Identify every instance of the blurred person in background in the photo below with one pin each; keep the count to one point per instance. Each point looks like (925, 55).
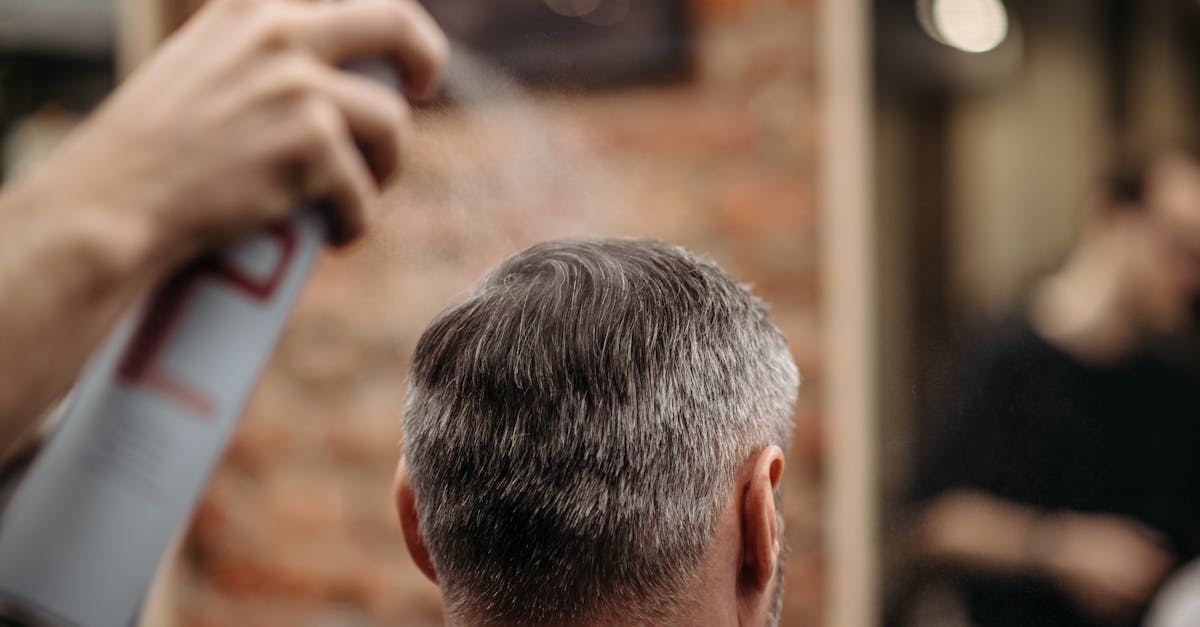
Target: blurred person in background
(241, 117)
(1060, 481)
(595, 437)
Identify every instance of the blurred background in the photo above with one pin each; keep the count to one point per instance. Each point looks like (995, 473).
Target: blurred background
(690, 121)
(886, 174)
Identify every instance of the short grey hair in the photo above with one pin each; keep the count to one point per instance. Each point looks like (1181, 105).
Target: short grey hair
(573, 427)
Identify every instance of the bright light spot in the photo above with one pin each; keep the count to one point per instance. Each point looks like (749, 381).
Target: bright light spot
(573, 8)
(970, 25)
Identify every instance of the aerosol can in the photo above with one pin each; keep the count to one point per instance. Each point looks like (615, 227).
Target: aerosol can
(152, 412)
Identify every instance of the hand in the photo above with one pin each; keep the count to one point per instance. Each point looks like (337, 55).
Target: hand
(1110, 566)
(241, 117)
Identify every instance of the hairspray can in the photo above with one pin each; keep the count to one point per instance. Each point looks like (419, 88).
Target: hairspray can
(153, 410)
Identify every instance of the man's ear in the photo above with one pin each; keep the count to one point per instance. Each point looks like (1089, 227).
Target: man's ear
(760, 524)
(406, 506)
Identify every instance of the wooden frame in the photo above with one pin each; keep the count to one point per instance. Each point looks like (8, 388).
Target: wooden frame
(850, 269)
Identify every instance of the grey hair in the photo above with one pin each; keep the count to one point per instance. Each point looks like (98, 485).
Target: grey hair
(573, 427)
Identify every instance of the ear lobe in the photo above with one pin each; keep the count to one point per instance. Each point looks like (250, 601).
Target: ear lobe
(406, 506)
(760, 524)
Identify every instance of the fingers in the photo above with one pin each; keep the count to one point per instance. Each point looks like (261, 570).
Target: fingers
(400, 29)
(343, 132)
(371, 114)
(378, 120)
(337, 174)
(361, 129)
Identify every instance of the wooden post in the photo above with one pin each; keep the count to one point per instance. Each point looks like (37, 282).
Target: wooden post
(852, 351)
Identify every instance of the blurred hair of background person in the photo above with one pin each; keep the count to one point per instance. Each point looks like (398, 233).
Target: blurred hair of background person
(1059, 483)
(595, 437)
(242, 117)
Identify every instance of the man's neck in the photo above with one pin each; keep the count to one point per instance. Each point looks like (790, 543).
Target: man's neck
(1084, 309)
(452, 619)
(695, 609)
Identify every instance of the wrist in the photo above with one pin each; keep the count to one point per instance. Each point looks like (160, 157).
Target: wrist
(101, 246)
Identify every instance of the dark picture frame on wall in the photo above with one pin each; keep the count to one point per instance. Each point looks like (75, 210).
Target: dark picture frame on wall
(574, 42)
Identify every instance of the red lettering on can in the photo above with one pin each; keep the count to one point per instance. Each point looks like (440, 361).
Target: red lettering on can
(141, 364)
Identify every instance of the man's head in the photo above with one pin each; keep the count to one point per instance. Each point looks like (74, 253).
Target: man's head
(595, 437)
(1153, 206)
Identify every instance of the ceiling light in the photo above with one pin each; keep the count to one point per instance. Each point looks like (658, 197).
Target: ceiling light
(969, 25)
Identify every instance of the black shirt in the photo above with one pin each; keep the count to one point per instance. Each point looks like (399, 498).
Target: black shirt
(1026, 422)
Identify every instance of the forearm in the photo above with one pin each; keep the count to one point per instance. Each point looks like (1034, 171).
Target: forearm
(973, 529)
(68, 270)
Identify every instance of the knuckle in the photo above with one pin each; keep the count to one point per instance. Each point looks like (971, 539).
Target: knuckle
(441, 49)
(413, 20)
(275, 25)
(321, 123)
(401, 20)
(399, 16)
(296, 74)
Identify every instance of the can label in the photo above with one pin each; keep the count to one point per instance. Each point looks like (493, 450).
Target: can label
(85, 530)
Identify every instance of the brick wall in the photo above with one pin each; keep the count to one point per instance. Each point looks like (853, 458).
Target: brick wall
(297, 527)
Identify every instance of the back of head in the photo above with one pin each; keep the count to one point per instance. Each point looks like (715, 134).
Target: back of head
(573, 426)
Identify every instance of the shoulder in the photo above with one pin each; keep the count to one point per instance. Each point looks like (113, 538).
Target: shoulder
(1005, 348)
